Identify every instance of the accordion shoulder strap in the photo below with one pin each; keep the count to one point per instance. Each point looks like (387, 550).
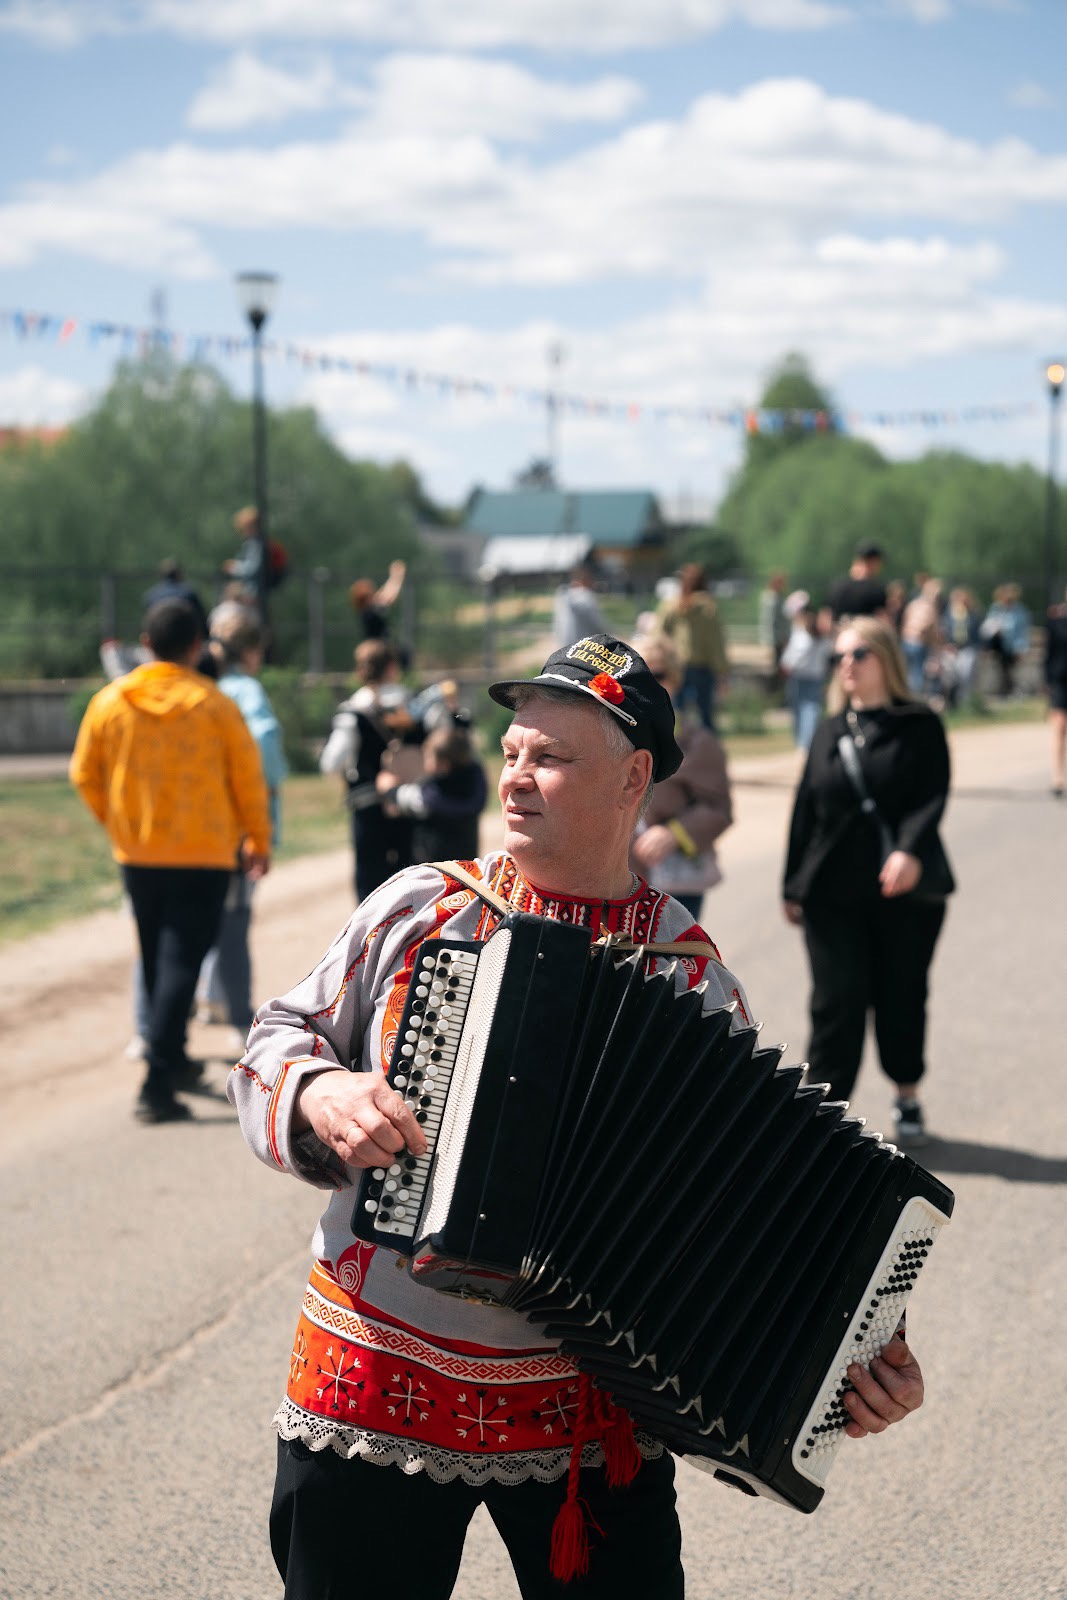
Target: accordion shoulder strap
(677, 947)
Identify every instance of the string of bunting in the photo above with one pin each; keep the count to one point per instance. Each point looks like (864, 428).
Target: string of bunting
(44, 327)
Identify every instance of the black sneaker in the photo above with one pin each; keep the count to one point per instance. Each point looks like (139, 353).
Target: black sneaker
(162, 1111)
(910, 1132)
(190, 1079)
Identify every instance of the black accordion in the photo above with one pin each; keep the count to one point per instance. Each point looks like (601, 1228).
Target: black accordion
(707, 1236)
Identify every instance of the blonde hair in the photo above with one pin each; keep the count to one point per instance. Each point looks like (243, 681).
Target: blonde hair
(883, 643)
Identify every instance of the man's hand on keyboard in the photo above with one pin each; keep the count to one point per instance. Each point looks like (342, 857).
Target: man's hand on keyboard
(887, 1393)
(359, 1116)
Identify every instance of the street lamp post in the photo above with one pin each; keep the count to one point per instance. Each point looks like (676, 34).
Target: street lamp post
(1054, 373)
(257, 292)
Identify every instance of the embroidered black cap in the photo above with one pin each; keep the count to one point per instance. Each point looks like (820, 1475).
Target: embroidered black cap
(615, 676)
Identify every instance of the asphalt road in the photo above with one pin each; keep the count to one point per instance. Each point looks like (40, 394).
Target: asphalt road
(151, 1277)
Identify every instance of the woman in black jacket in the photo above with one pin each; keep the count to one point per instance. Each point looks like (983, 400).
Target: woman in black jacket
(866, 875)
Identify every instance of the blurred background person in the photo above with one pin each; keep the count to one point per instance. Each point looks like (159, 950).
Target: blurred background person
(166, 764)
(962, 626)
(866, 875)
(224, 991)
(805, 665)
(896, 598)
(173, 585)
(365, 727)
(245, 567)
(674, 846)
(576, 610)
(920, 632)
(371, 602)
(236, 603)
(862, 592)
(773, 624)
(447, 802)
(1006, 633)
(692, 623)
(1055, 672)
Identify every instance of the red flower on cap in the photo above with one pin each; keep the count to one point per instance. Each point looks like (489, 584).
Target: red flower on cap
(608, 688)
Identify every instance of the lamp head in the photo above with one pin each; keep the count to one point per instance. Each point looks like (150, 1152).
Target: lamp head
(1054, 372)
(257, 293)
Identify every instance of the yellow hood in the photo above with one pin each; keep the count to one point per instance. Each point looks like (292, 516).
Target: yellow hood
(163, 689)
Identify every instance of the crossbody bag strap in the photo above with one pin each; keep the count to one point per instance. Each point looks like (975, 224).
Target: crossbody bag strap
(677, 947)
(850, 760)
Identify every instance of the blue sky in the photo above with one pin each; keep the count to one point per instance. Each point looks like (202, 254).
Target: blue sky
(677, 192)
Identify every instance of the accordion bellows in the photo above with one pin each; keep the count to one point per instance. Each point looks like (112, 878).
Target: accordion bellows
(707, 1236)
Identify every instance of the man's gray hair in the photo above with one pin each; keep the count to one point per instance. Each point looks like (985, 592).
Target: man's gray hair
(617, 742)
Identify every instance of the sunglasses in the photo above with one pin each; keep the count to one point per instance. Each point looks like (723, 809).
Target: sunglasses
(861, 652)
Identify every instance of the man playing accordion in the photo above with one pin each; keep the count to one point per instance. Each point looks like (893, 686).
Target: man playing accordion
(406, 1408)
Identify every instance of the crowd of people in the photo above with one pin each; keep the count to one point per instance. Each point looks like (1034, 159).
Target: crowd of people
(414, 786)
(942, 631)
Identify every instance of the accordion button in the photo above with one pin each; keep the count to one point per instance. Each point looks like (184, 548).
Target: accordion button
(370, 1205)
(378, 1172)
(395, 1169)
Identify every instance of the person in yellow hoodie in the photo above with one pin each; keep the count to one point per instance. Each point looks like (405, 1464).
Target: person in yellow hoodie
(165, 761)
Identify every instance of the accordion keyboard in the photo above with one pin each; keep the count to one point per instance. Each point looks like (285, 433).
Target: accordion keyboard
(423, 1062)
(870, 1330)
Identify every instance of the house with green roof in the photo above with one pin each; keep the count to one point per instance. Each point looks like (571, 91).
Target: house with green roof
(543, 532)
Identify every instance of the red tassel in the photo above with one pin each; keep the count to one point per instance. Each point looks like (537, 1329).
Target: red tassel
(570, 1542)
(622, 1458)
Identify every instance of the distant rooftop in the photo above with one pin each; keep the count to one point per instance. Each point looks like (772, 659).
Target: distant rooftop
(606, 517)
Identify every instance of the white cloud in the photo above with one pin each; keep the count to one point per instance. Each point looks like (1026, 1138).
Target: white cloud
(454, 94)
(594, 26)
(87, 224)
(735, 177)
(435, 94)
(30, 397)
(850, 304)
(925, 10)
(1032, 96)
(246, 90)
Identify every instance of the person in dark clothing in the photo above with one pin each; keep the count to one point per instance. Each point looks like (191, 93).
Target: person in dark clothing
(866, 876)
(1055, 671)
(370, 601)
(173, 585)
(365, 727)
(447, 803)
(862, 593)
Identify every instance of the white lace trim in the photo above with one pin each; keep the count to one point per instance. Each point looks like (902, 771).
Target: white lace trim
(439, 1463)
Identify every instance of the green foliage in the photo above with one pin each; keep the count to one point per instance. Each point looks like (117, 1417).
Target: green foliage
(802, 501)
(157, 468)
(743, 711)
(718, 552)
(791, 388)
(305, 710)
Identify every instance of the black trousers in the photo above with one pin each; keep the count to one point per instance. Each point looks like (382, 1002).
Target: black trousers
(870, 956)
(177, 910)
(381, 845)
(344, 1530)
